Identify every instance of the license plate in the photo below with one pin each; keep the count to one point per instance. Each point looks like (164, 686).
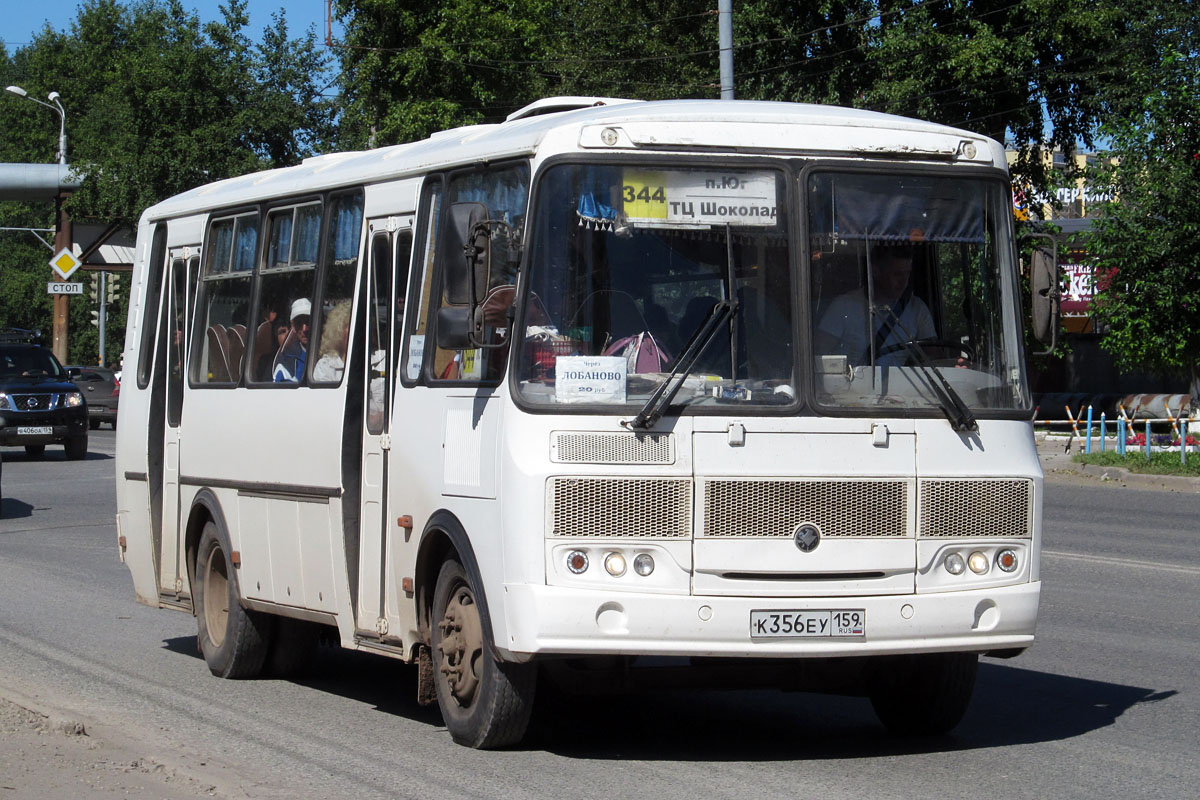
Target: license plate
(30, 430)
(805, 624)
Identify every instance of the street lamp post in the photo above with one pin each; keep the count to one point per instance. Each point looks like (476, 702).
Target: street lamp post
(55, 98)
(62, 223)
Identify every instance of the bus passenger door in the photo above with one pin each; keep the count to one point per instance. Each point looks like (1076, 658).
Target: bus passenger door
(172, 572)
(390, 249)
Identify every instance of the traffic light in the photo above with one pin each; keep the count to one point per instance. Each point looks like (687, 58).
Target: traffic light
(95, 317)
(114, 287)
(94, 290)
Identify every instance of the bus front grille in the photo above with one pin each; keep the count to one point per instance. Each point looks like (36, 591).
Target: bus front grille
(840, 508)
(651, 508)
(962, 507)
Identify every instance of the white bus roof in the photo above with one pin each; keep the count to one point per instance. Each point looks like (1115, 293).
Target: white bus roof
(712, 126)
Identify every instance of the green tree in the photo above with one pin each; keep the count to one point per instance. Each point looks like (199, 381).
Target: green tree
(1148, 240)
(1036, 74)
(156, 103)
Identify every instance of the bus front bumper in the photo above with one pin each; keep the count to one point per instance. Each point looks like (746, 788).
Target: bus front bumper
(554, 620)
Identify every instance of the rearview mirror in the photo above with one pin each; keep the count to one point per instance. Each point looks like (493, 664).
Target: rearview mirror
(454, 328)
(467, 253)
(1045, 293)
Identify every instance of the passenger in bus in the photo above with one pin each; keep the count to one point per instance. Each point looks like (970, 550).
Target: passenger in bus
(843, 329)
(293, 355)
(335, 336)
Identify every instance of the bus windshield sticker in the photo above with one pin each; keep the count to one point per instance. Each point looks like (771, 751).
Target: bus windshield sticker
(470, 364)
(590, 379)
(691, 199)
(416, 354)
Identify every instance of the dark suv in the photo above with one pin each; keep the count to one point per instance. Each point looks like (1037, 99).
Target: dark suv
(38, 403)
(101, 389)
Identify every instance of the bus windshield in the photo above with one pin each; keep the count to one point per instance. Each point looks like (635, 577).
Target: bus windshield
(913, 298)
(913, 305)
(627, 264)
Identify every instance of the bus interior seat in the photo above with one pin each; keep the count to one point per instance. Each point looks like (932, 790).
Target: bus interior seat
(237, 348)
(264, 351)
(218, 353)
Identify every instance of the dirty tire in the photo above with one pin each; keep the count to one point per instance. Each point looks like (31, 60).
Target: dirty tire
(923, 695)
(35, 450)
(76, 447)
(485, 703)
(233, 640)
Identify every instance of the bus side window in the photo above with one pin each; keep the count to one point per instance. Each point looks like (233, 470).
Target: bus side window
(417, 314)
(280, 344)
(339, 273)
(404, 248)
(230, 248)
(505, 192)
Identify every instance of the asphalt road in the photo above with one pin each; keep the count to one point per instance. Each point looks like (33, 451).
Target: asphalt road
(1105, 705)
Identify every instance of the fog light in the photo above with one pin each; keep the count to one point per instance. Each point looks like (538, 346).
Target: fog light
(1006, 560)
(954, 564)
(615, 564)
(577, 561)
(978, 563)
(644, 564)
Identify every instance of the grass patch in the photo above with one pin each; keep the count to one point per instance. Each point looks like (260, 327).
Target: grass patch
(1158, 463)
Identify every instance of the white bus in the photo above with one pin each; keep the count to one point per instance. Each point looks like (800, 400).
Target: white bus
(767, 402)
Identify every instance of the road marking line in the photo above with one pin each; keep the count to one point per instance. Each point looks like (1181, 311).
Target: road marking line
(1124, 562)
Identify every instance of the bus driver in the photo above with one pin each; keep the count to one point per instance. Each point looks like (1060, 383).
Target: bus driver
(904, 317)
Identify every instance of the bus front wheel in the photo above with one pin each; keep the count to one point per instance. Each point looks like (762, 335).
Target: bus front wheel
(234, 641)
(485, 703)
(923, 695)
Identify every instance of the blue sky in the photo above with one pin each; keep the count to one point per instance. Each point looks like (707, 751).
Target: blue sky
(20, 20)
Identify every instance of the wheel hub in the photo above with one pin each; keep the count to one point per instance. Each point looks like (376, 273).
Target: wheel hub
(461, 646)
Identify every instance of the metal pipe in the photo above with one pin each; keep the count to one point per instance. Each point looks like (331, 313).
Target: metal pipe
(725, 27)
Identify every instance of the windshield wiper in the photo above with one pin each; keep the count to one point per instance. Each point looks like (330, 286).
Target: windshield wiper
(662, 397)
(951, 403)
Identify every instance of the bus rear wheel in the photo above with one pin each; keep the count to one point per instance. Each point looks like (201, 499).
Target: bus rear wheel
(234, 641)
(923, 695)
(485, 703)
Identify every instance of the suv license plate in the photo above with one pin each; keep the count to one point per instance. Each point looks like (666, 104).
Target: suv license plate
(41, 430)
(803, 624)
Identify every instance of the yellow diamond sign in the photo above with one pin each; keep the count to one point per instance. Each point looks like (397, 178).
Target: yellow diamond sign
(65, 263)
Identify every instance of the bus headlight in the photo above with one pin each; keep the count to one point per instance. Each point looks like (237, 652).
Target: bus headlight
(954, 564)
(614, 564)
(978, 562)
(644, 564)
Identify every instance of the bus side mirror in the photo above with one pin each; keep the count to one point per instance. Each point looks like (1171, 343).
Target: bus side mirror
(1045, 294)
(466, 252)
(454, 328)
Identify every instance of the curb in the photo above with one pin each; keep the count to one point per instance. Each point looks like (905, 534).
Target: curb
(1055, 460)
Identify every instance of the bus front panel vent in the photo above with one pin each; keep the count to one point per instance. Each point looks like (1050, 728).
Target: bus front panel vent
(612, 448)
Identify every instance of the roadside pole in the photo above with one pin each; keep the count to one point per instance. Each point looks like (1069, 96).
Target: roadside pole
(62, 241)
(103, 309)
